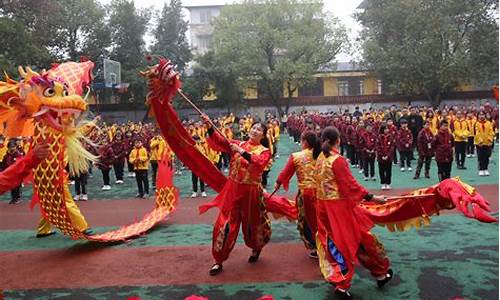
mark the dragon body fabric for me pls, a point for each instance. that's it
(46, 107)
(399, 213)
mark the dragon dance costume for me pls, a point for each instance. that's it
(343, 238)
(241, 200)
(303, 164)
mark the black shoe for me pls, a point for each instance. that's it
(464, 168)
(388, 277)
(215, 269)
(42, 235)
(342, 295)
(88, 231)
(427, 176)
(254, 257)
(15, 201)
(416, 177)
(313, 254)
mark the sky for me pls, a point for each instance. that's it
(342, 9)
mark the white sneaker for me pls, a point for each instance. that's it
(77, 198)
(481, 173)
(373, 179)
(468, 155)
(84, 197)
(360, 171)
(402, 169)
(194, 195)
(277, 156)
(387, 186)
(486, 173)
(72, 182)
(103, 188)
(226, 170)
(383, 187)
(107, 187)
(409, 169)
(204, 195)
(119, 182)
(366, 178)
(473, 155)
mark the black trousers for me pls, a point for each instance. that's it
(105, 176)
(265, 174)
(421, 161)
(369, 166)
(360, 160)
(351, 154)
(275, 147)
(154, 170)
(483, 157)
(15, 193)
(385, 171)
(81, 184)
(460, 148)
(130, 166)
(118, 167)
(395, 158)
(405, 156)
(444, 170)
(470, 145)
(225, 159)
(194, 180)
(141, 177)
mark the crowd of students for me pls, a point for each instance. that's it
(384, 136)
(391, 136)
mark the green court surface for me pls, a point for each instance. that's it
(453, 258)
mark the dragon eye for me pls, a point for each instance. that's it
(65, 93)
(49, 92)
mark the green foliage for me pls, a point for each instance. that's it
(211, 70)
(170, 35)
(281, 42)
(430, 46)
(128, 27)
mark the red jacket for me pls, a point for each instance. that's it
(404, 140)
(385, 148)
(368, 144)
(358, 140)
(443, 143)
(106, 157)
(424, 143)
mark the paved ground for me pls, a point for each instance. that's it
(453, 257)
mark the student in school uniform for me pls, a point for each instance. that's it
(139, 158)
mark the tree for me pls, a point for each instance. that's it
(430, 47)
(281, 42)
(209, 70)
(82, 29)
(170, 35)
(128, 26)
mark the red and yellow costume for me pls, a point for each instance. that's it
(303, 164)
(14, 175)
(241, 199)
(344, 237)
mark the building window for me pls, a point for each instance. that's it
(205, 16)
(379, 87)
(343, 87)
(315, 89)
(204, 42)
(361, 87)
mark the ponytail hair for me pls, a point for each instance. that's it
(312, 141)
(329, 137)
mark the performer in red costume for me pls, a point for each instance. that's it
(13, 176)
(303, 164)
(241, 199)
(344, 237)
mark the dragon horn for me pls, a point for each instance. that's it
(21, 72)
